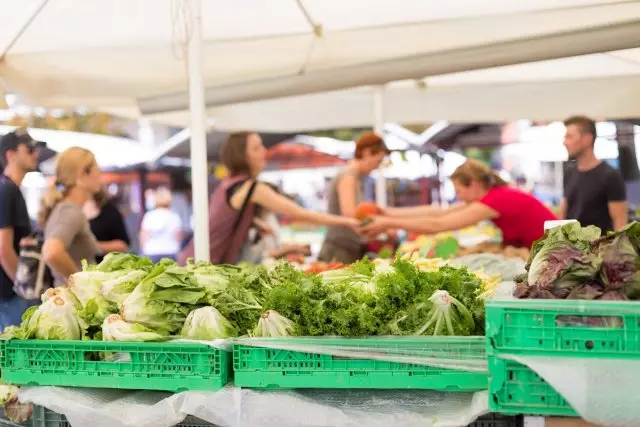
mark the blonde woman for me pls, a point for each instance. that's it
(68, 236)
(161, 232)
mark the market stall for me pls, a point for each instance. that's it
(407, 341)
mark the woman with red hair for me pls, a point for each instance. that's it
(343, 244)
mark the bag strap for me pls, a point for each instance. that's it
(236, 223)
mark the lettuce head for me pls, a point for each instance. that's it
(53, 320)
(206, 323)
(559, 266)
(163, 299)
(620, 252)
(115, 328)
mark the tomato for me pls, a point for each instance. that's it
(366, 210)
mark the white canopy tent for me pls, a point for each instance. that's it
(118, 53)
(600, 85)
(125, 56)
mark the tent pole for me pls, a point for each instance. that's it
(378, 127)
(199, 179)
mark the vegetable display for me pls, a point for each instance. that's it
(574, 262)
(127, 298)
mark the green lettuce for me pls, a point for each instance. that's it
(206, 323)
(273, 324)
(163, 299)
(120, 261)
(86, 286)
(118, 288)
(213, 278)
(114, 328)
(53, 320)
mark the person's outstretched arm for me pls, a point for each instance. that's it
(270, 199)
(422, 211)
(469, 215)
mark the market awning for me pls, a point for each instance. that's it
(109, 61)
(295, 156)
(179, 145)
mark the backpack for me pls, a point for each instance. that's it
(33, 276)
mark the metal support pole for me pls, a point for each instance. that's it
(378, 127)
(199, 179)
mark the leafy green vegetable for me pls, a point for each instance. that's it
(117, 289)
(559, 266)
(213, 278)
(86, 286)
(620, 252)
(207, 323)
(54, 320)
(115, 328)
(119, 262)
(64, 293)
(163, 299)
(272, 324)
(579, 237)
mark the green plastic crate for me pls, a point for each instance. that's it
(269, 368)
(562, 328)
(515, 389)
(538, 327)
(149, 366)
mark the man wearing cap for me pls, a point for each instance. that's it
(19, 156)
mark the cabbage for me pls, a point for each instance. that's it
(207, 323)
(114, 328)
(272, 324)
(163, 299)
(117, 289)
(53, 320)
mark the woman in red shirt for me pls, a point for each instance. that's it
(486, 196)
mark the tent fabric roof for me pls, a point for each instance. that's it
(111, 60)
(215, 142)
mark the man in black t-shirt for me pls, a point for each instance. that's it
(594, 192)
(19, 156)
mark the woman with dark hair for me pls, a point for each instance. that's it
(485, 196)
(107, 224)
(343, 244)
(232, 209)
